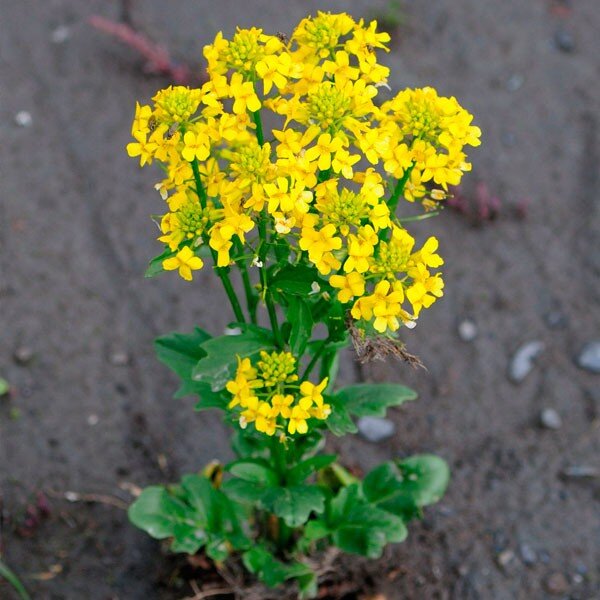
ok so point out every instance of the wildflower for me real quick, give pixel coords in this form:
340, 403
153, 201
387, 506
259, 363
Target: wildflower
196, 146
244, 95
185, 261
349, 286
325, 147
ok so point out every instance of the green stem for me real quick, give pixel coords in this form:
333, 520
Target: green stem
400, 185
222, 272
259, 127
199, 187
262, 255
251, 298
13, 580
315, 359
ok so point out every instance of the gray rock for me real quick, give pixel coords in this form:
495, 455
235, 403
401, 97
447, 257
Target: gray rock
119, 358
523, 360
467, 330
589, 357
528, 554
550, 419
514, 82
23, 355
23, 118
505, 558
375, 429
556, 584
564, 41
581, 471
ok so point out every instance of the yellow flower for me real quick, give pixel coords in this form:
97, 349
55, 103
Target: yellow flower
350, 285
298, 418
325, 147
186, 261
245, 97
343, 162
142, 147
313, 393
221, 245
195, 146
281, 404
318, 242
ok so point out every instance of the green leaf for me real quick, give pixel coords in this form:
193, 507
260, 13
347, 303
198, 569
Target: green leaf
155, 266
273, 572
339, 421
158, 513
294, 504
294, 279
404, 487
372, 399
4, 387
359, 527
181, 352
194, 514
426, 477
220, 363
309, 466
300, 318
246, 492
254, 470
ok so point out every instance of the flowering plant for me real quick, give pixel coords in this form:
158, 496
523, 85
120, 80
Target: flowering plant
305, 213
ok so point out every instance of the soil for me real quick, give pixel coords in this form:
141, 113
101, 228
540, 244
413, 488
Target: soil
91, 410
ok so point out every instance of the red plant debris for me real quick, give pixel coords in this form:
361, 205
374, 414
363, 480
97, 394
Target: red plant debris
35, 513
482, 206
157, 57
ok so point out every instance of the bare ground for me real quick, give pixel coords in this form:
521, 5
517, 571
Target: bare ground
92, 409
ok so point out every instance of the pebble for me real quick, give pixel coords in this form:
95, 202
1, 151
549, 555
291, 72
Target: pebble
556, 319
589, 357
522, 362
556, 584
550, 419
60, 35
23, 118
528, 555
375, 429
23, 355
581, 471
93, 420
564, 41
467, 330
515, 82
505, 558
119, 358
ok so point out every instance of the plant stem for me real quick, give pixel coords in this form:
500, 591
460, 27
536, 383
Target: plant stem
13, 580
259, 128
222, 272
400, 185
315, 359
251, 298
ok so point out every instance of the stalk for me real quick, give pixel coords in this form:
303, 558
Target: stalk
222, 272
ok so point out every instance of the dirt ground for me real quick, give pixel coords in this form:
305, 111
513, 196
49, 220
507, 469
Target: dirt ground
91, 408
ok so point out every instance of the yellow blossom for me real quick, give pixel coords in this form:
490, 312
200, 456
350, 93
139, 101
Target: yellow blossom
185, 261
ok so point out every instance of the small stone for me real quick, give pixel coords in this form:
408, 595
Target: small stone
467, 330
505, 558
589, 357
522, 362
375, 429
581, 472
119, 358
544, 557
60, 35
515, 82
23, 355
564, 41
550, 419
23, 118
556, 584
93, 420
577, 579
528, 555
556, 319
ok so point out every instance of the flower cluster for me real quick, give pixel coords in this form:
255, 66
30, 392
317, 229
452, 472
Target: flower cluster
328, 177
268, 395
